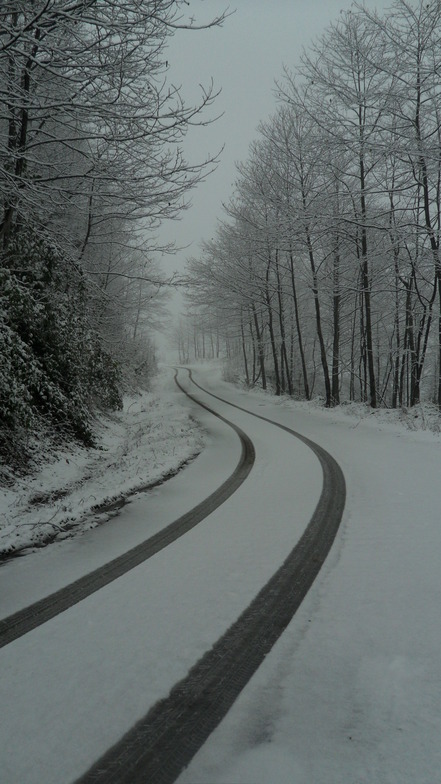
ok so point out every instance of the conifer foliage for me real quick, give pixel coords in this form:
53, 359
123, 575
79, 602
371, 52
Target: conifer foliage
53, 369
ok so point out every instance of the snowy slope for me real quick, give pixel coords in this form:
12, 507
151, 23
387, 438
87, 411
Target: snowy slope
140, 446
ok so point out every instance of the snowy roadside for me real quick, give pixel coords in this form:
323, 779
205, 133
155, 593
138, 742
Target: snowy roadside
137, 448
422, 417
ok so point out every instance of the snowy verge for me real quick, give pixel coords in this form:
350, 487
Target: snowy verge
151, 439
422, 417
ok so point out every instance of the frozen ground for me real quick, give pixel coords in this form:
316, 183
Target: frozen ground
136, 448
351, 693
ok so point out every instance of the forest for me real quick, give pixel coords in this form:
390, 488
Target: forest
91, 164
324, 277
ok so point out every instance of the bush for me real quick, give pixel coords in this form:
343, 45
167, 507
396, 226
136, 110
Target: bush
53, 366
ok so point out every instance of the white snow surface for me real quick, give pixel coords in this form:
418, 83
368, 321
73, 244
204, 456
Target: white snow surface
350, 694
149, 439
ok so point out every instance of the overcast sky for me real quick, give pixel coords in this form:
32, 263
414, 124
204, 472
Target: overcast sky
244, 57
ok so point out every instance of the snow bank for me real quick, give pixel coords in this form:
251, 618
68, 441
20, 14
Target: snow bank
141, 446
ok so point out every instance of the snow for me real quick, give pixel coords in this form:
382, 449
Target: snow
83, 678
149, 440
352, 690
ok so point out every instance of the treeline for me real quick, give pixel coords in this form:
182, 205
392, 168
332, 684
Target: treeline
325, 273
90, 165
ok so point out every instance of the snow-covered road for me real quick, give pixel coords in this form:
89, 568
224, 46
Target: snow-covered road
73, 686
351, 693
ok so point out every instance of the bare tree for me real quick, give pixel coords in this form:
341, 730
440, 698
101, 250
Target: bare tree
87, 117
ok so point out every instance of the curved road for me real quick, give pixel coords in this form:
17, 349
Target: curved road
60, 667
23, 621
163, 743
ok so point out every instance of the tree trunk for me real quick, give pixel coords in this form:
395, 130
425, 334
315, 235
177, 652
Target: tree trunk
298, 327
336, 300
271, 331
283, 351
244, 351
366, 288
318, 321
260, 347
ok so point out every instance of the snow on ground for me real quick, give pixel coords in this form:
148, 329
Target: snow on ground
351, 693
136, 448
73, 686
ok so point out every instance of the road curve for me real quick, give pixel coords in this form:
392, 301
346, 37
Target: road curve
159, 746
23, 621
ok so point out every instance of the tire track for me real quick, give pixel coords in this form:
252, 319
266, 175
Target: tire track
162, 744
23, 621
